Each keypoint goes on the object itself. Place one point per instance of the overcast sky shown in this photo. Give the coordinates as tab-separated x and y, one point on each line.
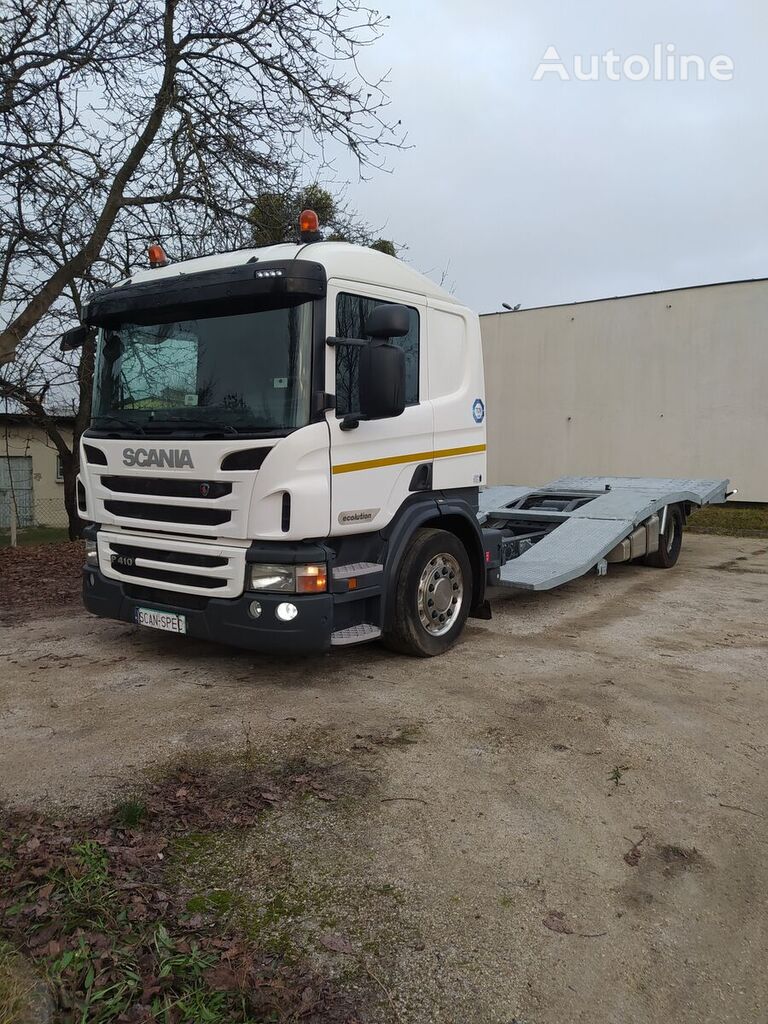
553	191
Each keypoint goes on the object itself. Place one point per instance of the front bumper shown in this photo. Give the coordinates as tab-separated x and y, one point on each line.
225	620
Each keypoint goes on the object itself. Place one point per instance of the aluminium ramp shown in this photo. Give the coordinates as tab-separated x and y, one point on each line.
669	490
586	535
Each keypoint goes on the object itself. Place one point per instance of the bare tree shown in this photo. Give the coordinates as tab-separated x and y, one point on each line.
275	214
129	120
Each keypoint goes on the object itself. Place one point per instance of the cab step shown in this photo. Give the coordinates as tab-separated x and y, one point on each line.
355	635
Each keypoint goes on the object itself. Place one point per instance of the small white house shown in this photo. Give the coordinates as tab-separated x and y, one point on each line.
30	473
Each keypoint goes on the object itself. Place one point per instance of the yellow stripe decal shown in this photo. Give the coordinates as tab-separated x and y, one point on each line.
398	460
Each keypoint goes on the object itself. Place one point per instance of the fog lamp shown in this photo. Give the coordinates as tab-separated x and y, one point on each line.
286	611
254	609
91	553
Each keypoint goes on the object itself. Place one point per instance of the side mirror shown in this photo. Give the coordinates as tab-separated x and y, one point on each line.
382	380
73	339
390	321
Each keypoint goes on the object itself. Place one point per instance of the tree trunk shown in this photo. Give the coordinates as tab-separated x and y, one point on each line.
82	419
78	264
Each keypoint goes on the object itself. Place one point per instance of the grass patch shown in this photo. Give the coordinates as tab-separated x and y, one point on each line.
294	885
731	520
130	813
36	535
103	908
257	887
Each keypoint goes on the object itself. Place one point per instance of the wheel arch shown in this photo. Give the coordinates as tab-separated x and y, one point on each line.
456	517
467	529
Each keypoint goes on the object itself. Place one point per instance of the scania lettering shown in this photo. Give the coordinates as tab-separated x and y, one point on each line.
287	452
174	458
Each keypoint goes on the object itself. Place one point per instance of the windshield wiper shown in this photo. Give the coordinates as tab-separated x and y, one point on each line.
183	421
123	423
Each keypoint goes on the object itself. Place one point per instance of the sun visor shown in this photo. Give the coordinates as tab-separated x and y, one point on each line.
241	289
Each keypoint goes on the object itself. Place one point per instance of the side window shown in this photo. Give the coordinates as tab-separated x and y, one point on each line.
351	314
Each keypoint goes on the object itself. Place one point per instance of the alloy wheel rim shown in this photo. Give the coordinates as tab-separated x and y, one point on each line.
440	594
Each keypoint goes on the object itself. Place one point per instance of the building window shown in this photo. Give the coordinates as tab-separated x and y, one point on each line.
59	470
351	314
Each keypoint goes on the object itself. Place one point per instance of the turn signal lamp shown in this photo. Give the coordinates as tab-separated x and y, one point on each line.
311	579
157	257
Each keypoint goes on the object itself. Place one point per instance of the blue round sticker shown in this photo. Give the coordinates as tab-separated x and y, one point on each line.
478	410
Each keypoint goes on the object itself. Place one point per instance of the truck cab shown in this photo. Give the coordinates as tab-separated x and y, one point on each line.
286	451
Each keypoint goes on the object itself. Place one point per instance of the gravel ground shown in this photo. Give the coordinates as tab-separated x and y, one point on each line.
568	811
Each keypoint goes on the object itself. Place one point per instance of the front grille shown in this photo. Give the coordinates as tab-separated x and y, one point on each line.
165	514
167	598
162	576
165	488
172	557
172	565
125	559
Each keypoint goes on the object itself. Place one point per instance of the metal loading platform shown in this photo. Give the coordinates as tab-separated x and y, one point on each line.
557	533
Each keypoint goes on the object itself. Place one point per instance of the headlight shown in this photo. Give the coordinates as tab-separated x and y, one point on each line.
91	553
289	579
280	578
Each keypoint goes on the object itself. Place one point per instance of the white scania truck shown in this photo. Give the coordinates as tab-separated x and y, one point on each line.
288	452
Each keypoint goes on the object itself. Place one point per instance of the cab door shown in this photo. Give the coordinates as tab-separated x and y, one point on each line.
373	464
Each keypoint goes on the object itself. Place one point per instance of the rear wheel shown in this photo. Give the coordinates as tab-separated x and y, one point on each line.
432	595
670	542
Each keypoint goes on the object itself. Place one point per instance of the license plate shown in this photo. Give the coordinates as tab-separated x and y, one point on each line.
168	621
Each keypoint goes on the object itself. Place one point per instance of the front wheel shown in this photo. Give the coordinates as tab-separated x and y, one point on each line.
432	595
670	542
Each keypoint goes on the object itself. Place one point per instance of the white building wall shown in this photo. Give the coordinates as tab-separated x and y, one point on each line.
668	384
23	440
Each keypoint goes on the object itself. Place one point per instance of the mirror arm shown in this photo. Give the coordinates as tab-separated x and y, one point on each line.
355	342
353	420
322	402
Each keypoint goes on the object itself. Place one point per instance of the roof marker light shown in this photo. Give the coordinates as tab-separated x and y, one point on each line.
309	226
308	221
157	257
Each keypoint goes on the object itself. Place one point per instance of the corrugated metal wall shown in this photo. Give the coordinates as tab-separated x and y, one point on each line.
669	384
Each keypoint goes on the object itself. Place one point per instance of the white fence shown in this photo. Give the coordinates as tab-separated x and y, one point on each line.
21	513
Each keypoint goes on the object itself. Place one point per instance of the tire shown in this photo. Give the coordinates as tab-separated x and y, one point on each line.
670	542
432	595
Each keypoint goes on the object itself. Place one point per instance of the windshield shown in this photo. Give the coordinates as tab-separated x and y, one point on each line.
248	372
